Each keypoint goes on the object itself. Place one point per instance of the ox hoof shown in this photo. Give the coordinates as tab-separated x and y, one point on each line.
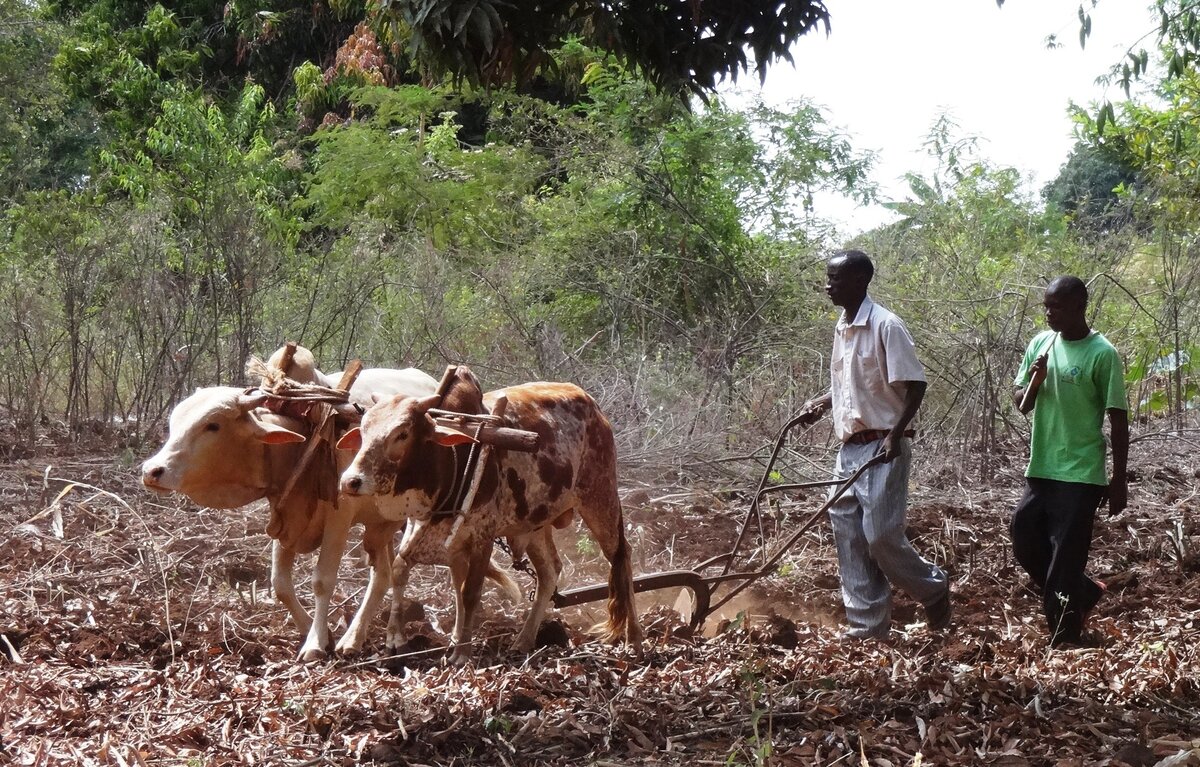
353	647
524	644
395	643
310	654
460	658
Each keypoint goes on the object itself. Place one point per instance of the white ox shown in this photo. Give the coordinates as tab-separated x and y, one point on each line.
225	450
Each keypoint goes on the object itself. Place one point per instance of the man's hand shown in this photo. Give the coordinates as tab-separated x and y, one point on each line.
1037	371
812	411
1024	398
1117	495
891	446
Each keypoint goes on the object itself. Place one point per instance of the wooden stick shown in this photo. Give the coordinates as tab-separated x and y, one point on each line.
350	374
485	452
447	379
503	437
289	352
322	431
1026	398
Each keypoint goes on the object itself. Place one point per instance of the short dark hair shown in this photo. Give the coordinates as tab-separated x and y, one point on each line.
856	261
1069	285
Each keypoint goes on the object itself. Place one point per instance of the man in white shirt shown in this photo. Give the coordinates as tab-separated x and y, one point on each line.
877	384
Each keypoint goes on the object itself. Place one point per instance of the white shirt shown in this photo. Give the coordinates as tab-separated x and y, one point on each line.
872	358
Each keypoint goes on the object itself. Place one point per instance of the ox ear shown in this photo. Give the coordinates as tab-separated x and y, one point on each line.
271	434
450	437
351	440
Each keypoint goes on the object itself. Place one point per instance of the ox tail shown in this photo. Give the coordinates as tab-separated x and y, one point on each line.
506	585
622	612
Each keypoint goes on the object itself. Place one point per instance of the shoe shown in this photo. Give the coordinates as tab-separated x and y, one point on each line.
939	612
1085	641
858	635
1086	612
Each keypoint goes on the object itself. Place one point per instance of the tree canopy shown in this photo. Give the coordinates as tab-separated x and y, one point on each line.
692	44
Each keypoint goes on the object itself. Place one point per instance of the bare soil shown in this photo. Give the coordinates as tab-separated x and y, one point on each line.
138	631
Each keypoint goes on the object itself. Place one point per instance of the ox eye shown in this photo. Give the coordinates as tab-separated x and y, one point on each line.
214	426
400	436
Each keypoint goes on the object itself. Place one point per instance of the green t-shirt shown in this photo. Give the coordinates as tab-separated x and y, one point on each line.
1083	379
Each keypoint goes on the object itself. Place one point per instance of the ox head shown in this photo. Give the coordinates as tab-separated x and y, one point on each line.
396	435
214	453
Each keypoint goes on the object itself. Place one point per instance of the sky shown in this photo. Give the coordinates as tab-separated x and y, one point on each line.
889	68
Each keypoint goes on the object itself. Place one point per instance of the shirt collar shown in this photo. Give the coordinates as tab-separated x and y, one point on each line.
860	320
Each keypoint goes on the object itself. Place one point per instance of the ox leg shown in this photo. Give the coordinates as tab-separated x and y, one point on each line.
543	555
283	562
411	546
602	515
468	581
337	528
377	540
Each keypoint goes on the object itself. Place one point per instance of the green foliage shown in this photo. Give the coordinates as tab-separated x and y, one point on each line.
402	165
117	48
1162	142
271	171
675	44
1093	187
127	72
586	546
45	135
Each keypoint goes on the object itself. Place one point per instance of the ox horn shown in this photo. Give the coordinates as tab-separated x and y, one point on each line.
425	403
250	399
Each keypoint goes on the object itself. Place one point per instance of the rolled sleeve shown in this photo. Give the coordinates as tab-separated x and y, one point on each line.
902	362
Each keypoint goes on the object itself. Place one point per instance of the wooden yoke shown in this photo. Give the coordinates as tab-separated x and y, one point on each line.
322	416
447	379
289	353
485	429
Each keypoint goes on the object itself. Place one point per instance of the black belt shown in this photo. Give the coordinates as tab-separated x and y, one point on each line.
874	435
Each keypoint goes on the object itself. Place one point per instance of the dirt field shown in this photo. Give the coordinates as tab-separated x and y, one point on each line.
138	631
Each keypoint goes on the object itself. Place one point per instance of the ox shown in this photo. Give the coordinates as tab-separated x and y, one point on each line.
409	464
224	450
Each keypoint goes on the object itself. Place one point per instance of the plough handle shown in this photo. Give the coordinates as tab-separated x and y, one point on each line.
769	565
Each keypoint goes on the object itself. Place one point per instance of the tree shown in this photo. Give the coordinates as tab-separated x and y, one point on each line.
1089	188
959	266
1162	142
46	137
676	44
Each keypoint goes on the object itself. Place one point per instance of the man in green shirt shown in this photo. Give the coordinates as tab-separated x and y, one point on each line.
1070	376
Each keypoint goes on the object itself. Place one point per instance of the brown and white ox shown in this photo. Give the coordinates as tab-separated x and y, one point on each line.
225	450
409	464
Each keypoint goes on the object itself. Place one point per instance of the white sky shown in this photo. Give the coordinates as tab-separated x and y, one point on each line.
890	67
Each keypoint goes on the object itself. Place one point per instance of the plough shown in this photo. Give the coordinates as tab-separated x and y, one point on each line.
710	576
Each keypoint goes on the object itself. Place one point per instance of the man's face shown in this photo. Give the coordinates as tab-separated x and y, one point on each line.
843	285
1062	309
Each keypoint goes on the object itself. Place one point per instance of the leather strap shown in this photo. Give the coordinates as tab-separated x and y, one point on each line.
874	435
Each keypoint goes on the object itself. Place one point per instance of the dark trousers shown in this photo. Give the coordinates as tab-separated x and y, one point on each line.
1051	535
